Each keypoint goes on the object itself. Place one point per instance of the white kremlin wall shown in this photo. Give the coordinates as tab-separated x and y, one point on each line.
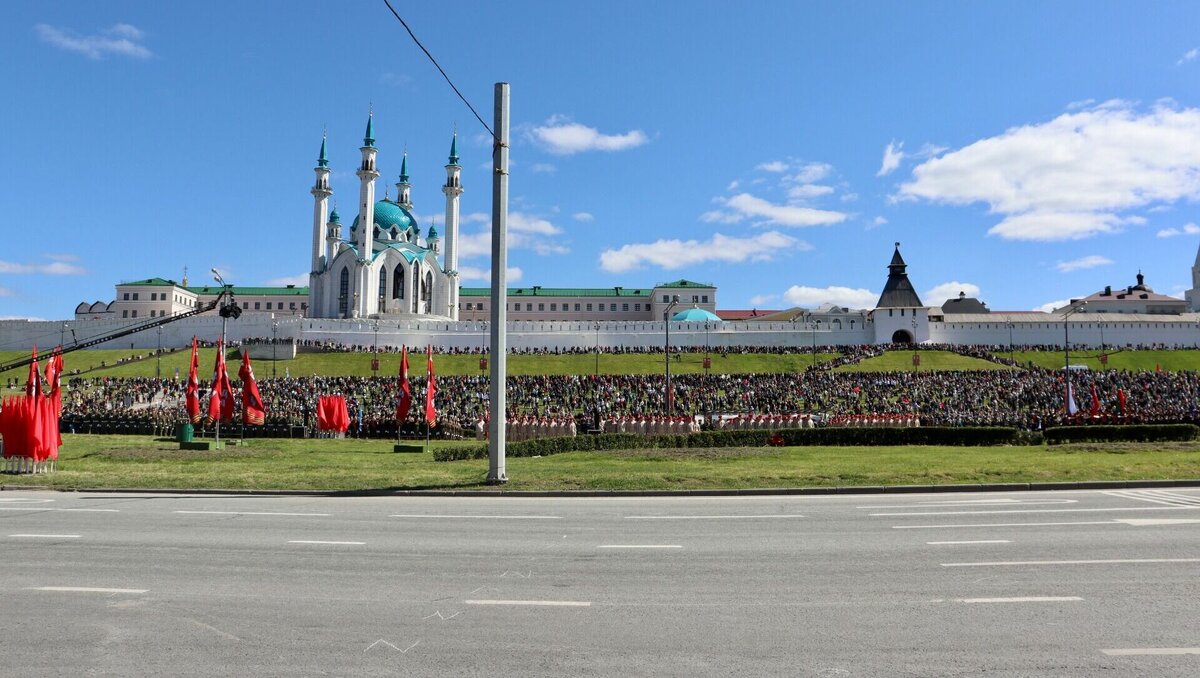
1091	330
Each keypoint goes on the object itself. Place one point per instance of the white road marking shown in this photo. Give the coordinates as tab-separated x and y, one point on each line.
744	517
1145	522
1113	561
545	603
472	517
250	513
85	589
978	541
640	546
1146	651
973	502
29	500
941	527
45	536
1157	497
1082	510
1025	599
344	543
40	508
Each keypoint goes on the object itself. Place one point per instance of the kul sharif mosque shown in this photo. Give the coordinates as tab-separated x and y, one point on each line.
382	266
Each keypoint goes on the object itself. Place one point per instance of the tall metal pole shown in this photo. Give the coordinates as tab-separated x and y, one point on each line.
221	348
667	352
499	311
158	356
274	356
597	349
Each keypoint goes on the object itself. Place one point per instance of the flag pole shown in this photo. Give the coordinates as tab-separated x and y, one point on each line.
497	474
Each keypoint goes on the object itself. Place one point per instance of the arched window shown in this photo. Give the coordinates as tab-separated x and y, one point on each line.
383	288
416	287
427	292
398	282
344	291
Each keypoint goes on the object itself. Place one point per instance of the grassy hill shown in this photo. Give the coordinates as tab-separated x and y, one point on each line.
1168	361
901	361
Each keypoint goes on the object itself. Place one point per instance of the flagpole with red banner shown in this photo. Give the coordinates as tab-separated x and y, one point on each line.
405	402
192	397
430	392
254	412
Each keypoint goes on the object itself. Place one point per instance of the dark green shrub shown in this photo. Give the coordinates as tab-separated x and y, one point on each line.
1150	433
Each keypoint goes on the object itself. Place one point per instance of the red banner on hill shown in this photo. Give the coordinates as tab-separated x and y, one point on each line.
405	402
332	414
192	399
220	399
253	410
430	391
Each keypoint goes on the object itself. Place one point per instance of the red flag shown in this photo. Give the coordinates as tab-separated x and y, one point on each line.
430	391
33	383
192	399
1157	367
1095	402
54	369
1121	400
405	402
220	399
253	410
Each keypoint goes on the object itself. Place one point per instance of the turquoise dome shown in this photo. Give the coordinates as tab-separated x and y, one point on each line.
388	214
694	315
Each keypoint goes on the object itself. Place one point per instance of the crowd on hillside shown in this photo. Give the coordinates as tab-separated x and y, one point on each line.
1028	398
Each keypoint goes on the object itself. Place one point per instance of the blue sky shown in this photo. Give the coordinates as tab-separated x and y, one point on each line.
1024	152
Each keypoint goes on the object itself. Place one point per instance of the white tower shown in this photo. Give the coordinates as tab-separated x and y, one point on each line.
320	192
367	174
1193	295
453	189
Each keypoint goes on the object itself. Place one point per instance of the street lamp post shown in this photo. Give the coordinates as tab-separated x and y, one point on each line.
814	324
158	355
274	355
1067	350
667	351
597	349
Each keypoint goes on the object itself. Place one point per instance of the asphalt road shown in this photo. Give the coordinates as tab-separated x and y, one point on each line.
1042	583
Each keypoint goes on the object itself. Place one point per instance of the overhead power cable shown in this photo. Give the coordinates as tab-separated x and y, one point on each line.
439	67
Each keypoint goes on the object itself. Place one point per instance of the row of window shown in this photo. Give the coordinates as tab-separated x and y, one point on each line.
478	306
696	299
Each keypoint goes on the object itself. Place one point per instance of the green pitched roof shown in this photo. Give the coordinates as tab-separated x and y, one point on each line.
560	292
685	283
289	291
151	282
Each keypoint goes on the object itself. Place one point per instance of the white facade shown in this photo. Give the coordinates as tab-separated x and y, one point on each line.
384	267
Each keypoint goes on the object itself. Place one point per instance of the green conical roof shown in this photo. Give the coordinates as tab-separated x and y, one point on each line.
334	218
454	150
432	233
323	159
404	169
369	138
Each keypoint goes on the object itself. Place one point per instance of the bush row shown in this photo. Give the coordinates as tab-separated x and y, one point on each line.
1137	433
964	436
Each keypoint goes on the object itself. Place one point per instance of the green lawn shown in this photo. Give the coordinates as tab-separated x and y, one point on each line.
901	360
359	364
1118	359
143	462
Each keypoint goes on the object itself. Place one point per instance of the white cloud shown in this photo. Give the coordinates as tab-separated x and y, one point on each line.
561	137
299	280
762	299
30	318
63	257
1186	229
674	254
811	297
543	168
938	294
733	185
525	231
892	155
744	205
122	39
1190	55
773	166
583	216
1082	263
808	191
1049	306
473	273
1074	176
55	268
810	173
879	221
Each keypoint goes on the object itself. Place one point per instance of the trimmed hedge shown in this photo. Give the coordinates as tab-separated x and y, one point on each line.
927	435
1136	433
